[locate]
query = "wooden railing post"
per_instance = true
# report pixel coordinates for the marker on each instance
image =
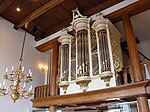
(125, 73)
(135, 61)
(131, 74)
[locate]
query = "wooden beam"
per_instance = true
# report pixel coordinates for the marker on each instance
(125, 91)
(98, 8)
(4, 5)
(51, 4)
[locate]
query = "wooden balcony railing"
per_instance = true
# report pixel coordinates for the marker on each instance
(42, 91)
(125, 77)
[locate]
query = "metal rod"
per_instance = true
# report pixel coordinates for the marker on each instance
(101, 48)
(21, 59)
(81, 51)
(104, 51)
(144, 56)
(84, 51)
(68, 60)
(108, 60)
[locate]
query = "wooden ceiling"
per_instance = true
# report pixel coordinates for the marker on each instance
(48, 16)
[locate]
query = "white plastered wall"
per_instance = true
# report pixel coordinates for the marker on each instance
(141, 27)
(10, 47)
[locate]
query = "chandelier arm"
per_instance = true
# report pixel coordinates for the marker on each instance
(7, 93)
(3, 93)
(21, 59)
(27, 96)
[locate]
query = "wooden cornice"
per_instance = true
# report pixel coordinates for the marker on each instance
(51, 4)
(133, 9)
(125, 91)
(48, 45)
(5, 4)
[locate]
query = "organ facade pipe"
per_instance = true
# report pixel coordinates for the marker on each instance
(83, 52)
(109, 50)
(92, 51)
(65, 67)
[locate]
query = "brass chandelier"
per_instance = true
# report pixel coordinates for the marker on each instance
(17, 80)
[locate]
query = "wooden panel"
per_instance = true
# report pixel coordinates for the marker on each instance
(4, 4)
(125, 91)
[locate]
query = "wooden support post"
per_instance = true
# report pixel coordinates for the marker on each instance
(54, 71)
(133, 50)
(53, 86)
(52, 108)
(135, 61)
(142, 103)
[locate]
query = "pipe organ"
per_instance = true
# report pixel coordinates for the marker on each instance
(92, 54)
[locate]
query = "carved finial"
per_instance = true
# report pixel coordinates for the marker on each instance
(65, 38)
(64, 31)
(77, 14)
(99, 16)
